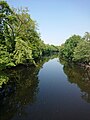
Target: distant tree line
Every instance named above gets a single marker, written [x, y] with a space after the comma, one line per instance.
[77, 49]
[20, 40]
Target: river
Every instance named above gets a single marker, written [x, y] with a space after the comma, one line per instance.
[55, 90]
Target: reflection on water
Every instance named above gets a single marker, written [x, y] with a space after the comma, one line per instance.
[21, 89]
[54, 90]
[80, 77]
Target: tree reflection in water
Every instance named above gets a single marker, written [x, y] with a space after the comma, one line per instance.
[20, 90]
[78, 76]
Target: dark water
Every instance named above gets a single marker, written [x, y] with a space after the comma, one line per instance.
[54, 90]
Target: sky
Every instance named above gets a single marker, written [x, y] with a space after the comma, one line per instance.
[58, 19]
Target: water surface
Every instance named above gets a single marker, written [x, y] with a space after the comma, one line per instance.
[53, 91]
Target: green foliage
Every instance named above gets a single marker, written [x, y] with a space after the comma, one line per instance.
[23, 51]
[5, 58]
[76, 49]
[3, 79]
[82, 52]
[50, 49]
[7, 19]
[20, 41]
[67, 49]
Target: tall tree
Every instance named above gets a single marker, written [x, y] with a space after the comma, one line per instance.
[67, 49]
[7, 20]
[82, 52]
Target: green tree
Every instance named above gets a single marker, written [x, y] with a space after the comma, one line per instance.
[67, 49]
[7, 20]
[19, 37]
[82, 52]
[23, 52]
[27, 31]
[6, 58]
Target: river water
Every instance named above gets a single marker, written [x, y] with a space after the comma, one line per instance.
[54, 90]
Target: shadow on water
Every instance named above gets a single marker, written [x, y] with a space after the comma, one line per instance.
[21, 89]
[78, 76]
